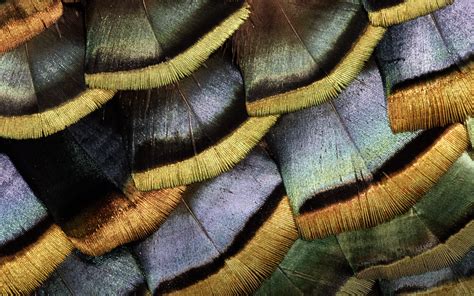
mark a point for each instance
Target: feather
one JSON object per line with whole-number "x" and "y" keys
{"x": 426, "y": 68}
{"x": 116, "y": 273}
{"x": 155, "y": 43}
{"x": 21, "y": 20}
{"x": 87, "y": 186}
{"x": 391, "y": 12}
{"x": 30, "y": 246}
{"x": 318, "y": 267}
{"x": 190, "y": 131}
{"x": 436, "y": 233}
{"x": 295, "y": 54}
{"x": 342, "y": 165}
{"x": 226, "y": 235}
{"x": 434, "y": 280}
{"x": 34, "y": 102}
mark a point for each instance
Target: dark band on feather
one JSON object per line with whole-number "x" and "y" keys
{"x": 241, "y": 239}
{"x": 396, "y": 163}
{"x": 29, "y": 237}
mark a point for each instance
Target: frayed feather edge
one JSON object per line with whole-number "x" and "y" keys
{"x": 210, "y": 162}
{"x": 324, "y": 89}
{"x": 244, "y": 272}
{"x": 26, "y": 271}
{"x": 441, "y": 256}
{"x": 408, "y": 10}
{"x": 45, "y": 123}
{"x": 390, "y": 197}
{"x": 436, "y": 102}
{"x": 15, "y": 33}
{"x": 139, "y": 216}
{"x": 168, "y": 72}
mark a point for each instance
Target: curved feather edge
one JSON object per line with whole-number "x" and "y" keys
{"x": 16, "y": 32}
{"x": 470, "y": 129}
{"x": 126, "y": 219}
{"x": 356, "y": 286}
{"x": 175, "y": 69}
{"x": 27, "y": 269}
{"x": 440, "y": 256}
{"x": 458, "y": 287}
{"x": 51, "y": 121}
{"x": 408, "y": 10}
{"x": 210, "y": 162}
{"x": 243, "y": 273}
{"x": 442, "y": 100}
{"x": 324, "y": 89}
{"x": 390, "y": 197}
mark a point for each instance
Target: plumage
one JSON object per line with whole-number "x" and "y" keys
{"x": 34, "y": 102}
{"x": 21, "y": 20}
{"x": 295, "y": 54}
{"x": 148, "y": 44}
{"x": 427, "y": 69}
{"x": 236, "y": 147}
{"x": 174, "y": 132}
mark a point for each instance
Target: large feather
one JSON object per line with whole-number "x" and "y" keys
{"x": 342, "y": 165}
{"x": 147, "y": 44}
{"x": 295, "y": 54}
{"x": 427, "y": 70}
{"x": 226, "y": 236}
{"x": 192, "y": 130}
{"x": 34, "y": 101}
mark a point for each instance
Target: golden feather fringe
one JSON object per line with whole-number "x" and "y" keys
{"x": 168, "y": 72}
{"x": 24, "y": 272}
{"x": 51, "y": 121}
{"x": 437, "y": 102}
{"x": 355, "y": 286}
{"x": 470, "y": 130}
{"x": 123, "y": 219}
{"x": 40, "y": 15}
{"x": 390, "y": 197}
{"x": 244, "y": 272}
{"x": 210, "y": 162}
{"x": 408, "y": 10}
{"x": 441, "y": 256}
{"x": 326, "y": 88}
{"x": 457, "y": 287}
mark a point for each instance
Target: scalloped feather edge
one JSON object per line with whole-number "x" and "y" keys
{"x": 180, "y": 66}
{"x": 15, "y": 33}
{"x": 28, "y": 269}
{"x": 244, "y": 272}
{"x": 209, "y": 163}
{"x": 326, "y": 88}
{"x": 408, "y": 10}
{"x": 441, "y": 256}
{"x": 37, "y": 125}
{"x": 390, "y": 197}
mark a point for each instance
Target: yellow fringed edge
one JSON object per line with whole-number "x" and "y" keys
{"x": 355, "y": 286}
{"x": 326, "y": 88}
{"x": 48, "y": 122}
{"x": 441, "y": 256}
{"x": 182, "y": 65}
{"x": 408, "y": 10}
{"x": 437, "y": 102}
{"x": 244, "y": 272}
{"x": 26, "y": 271}
{"x": 470, "y": 130}
{"x": 390, "y": 197}
{"x": 123, "y": 219}
{"x": 18, "y": 31}
{"x": 210, "y": 162}
{"x": 458, "y": 287}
